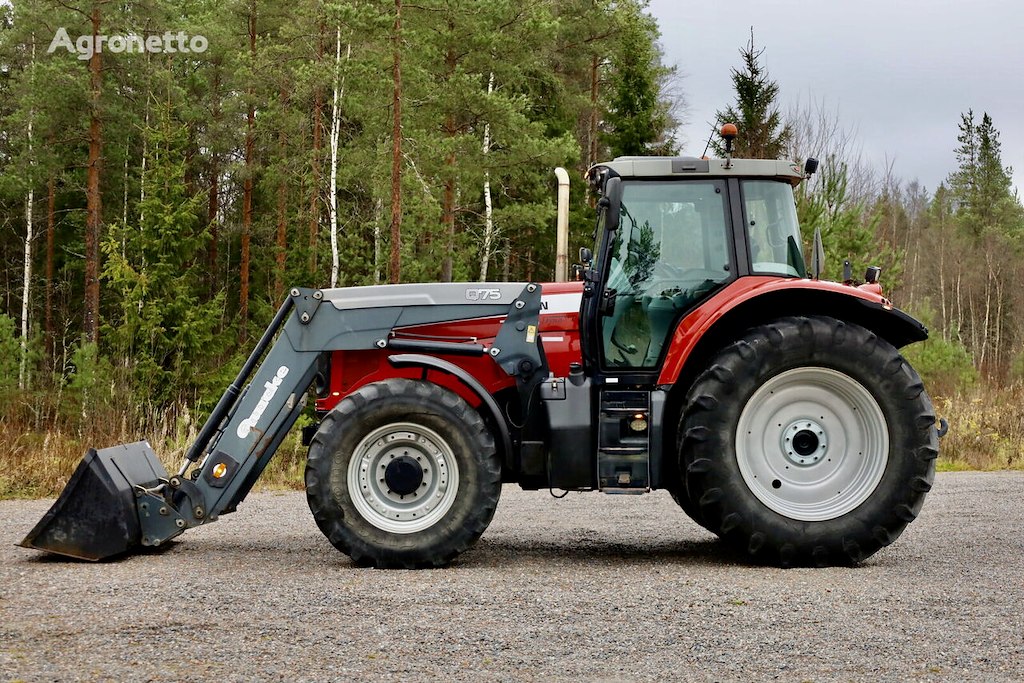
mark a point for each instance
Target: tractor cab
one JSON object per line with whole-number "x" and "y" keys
{"x": 671, "y": 233}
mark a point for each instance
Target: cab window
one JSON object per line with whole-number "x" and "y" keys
{"x": 669, "y": 253}
{"x": 772, "y": 228}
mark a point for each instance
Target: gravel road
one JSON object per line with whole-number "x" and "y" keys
{"x": 590, "y": 587}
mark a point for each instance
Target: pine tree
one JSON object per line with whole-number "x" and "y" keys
{"x": 638, "y": 115}
{"x": 990, "y": 220}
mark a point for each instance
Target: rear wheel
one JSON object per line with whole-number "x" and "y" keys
{"x": 403, "y": 474}
{"x": 808, "y": 442}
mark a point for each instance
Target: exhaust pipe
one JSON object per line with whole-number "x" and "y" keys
{"x": 562, "y": 227}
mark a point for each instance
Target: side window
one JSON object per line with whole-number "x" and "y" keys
{"x": 670, "y": 252}
{"x": 772, "y": 228}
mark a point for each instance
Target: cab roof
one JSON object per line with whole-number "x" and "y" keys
{"x": 664, "y": 167}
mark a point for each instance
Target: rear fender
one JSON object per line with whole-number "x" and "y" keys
{"x": 753, "y": 301}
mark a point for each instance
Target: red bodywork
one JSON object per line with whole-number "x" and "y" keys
{"x": 560, "y": 335}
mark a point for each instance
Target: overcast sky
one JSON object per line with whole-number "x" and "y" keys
{"x": 898, "y": 72}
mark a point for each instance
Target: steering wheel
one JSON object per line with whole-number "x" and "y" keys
{"x": 673, "y": 281}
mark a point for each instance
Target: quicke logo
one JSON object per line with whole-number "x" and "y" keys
{"x": 269, "y": 389}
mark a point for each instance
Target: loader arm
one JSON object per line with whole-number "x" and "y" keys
{"x": 248, "y": 425}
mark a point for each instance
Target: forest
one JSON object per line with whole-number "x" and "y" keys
{"x": 169, "y": 169}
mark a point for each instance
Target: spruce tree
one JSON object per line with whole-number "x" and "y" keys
{"x": 638, "y": 116}
{"x": 762, "y": 132}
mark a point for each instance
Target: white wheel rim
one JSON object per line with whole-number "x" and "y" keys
{"x": 842, "y": 436}
{"x": 403, "y": 513}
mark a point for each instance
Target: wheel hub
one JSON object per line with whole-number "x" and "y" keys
{"x": 403, "y": 475}
{"x": 812, "y": 443}
{"x": 804, "y": 442}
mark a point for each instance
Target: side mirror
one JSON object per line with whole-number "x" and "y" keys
{"x": 817, "y": 255}
{"x": 586, "y": 256}
{"x": 810, "y": 166}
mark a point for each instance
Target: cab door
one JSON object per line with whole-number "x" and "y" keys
{"x": 670, "y": 249}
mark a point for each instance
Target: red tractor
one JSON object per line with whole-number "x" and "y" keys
{"x": 696, "y": 355}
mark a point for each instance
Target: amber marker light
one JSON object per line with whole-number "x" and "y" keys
{"x": 219, "y": 470}
{"x": 638, "y": 423}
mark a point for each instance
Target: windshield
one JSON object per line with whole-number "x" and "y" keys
{"x": 772, "y": 228}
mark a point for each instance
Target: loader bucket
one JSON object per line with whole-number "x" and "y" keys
{"x": 95, "y": 516}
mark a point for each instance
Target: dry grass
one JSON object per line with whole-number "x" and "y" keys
{"x": 40, "y": 445}
{"x": 986, "y": 429}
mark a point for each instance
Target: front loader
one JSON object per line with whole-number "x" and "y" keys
{"x": 121, "y": 498}
{"x": 696, "y": 355}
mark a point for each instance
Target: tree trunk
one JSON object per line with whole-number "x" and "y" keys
{"x": 338, "y": 94}
{"x": 51, "y": 200}
{"x": 448, "y": 215}
{"x": 448, "y": 197}
{"x": 997, "y": 340}
{"x": 247, "y": 187}
{"x": 592, "y": 129}
{"x": 213, "y": 201}
{"x": 395, "y": 269}
{"x": 280, "y": 258}
{"x": 506, "y": 273}
{"x": 485, "y": 256}
{"x": 27, "y": 283}
{"x": 93, "y": 205}
{"x": 378, "y": 216}
{"x": 944, "y": 317}
{"x": 314, "y": 199}
{"x": 212, "y": 209}
{"x": 26, "y": 288}
{"x": 959, "y": 309}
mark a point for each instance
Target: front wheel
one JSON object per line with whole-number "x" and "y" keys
{"x": 808, "y": 442}
{"x": 403, "y": 474}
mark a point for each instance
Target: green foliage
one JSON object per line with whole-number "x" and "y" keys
{"x": 163, "y": 330}
{"x": 638, "y": 116}
{"x": 762, "y": 132}
{"x": 644, "y": 251}
{"x": 981, "y": 185}
{"x": 945, "y": 365}
{"x": 90, "y": 384}
{"x": 10, "y": 354}
{"x": 848, "y": 227}
{"x": 980, "y": 217}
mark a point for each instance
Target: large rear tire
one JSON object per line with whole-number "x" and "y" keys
{"x": 808, "y": 442}
{"x": 403, "y": 474}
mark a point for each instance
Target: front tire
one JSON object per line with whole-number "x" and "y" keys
{"x": 809, "y": 441}
{"x": 403, "y": 474}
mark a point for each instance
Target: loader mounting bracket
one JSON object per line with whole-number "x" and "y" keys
{"x": 160, "y": 521}
{"x": 306, "y": 303}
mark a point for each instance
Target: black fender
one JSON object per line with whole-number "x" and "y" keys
{"x": 405, "y": 360}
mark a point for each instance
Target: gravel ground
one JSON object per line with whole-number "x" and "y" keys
{"x": 590, "y": 587}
